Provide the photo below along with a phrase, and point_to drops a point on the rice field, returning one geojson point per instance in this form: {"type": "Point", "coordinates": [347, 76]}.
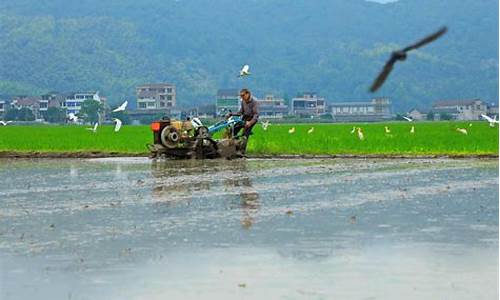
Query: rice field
{"type": "Point", "coordinates": [429, 138]}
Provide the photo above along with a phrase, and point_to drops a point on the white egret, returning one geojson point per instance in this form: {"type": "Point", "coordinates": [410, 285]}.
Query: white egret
{"type": "Point", "coordinates": [245, 71]}
{"type": "Point", "coordinates": [118, 124]}
{"type": "Point", "coordinates": [121, 107]}
{"type": "Point", "coordinates": [462, 130]}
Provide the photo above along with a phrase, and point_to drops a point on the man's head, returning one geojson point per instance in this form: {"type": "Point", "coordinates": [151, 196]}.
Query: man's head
{"type": "Point", "coordinates": [246, 95]}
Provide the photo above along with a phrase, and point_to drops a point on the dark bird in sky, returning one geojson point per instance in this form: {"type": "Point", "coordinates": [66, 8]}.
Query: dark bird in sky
{"type": "Point", "coordinates": [401, 55]}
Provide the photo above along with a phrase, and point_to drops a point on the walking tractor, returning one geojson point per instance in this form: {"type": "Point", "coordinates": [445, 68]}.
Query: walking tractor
{"type": "Point", "coordinates": [192, 139]}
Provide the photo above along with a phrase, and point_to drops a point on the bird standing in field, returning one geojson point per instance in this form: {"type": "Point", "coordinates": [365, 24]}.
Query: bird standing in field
{"type": "Point", "coordinates": [265, 125]}
{"type": "Point", "coordinates": [118, 124]}
{"type": "Point", "coordinates": [245, 71]}
{"type": "Point", "coordinates": [5, 123]}
{"type": "Point", "coordinates": [361, 136]}
{"type": "Point", "coordinates": [387, 130]}
{"type": "Point", "coordinates": [310, 130]}
{"type": "Point", "coordinates": [412, 130]}
{"type": "Point", "coordinates": [353, 130]}
{"type": "Point", "coordinates": [408, 119]}
{"type": "Point", "coordinates": [401, 56]}
{"type": "Point", "coordinates": [291, 130]}
{"type": "Point", "coordinates": [121, 107]}
{"type": "Point", "coordinates": [462, 130]}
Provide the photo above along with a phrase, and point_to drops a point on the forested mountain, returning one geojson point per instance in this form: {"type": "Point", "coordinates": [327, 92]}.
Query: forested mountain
{"type": "Point", "coordinates": [334, 47]}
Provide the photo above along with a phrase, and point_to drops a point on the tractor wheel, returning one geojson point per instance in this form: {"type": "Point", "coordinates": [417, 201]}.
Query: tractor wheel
{"type": "Point", "coordinates": [170, 137]}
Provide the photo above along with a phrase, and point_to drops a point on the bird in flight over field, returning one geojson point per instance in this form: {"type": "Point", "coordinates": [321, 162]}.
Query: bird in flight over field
{"type": "Point", "coordinates": [401, 55]}
{"type": "Point", "coordinates": [5, 123]}
{"type": "Point", "coordinates": [121, 107]}
{"type": "Point", "coordinates": [490, 120]}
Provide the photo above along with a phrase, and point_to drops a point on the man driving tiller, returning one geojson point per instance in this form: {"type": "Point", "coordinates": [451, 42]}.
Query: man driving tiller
{"type": "Point", "coordinates": [249, 113]}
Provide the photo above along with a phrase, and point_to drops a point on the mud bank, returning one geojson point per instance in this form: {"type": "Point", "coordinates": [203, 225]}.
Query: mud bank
{"type": "Point", "coordinates": [98, 154]}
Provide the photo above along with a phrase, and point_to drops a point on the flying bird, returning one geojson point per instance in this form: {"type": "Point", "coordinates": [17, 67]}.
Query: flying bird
{"type": "Point", "coordinates": [462, 130]}
{"type": "Point", "coordinates": [245, 71]}
{"type": "Point", "coordinates": [5, 123]}
{"type": "Point", "coordinates": [353, 130]}
{"type": "Point", "coordinates": [94, 129]}
{"type": "Point", "coordinates": [310, 130]}
{"type": "Point", "coordinates": [361, 136]}
{"type": "Point", "coordinates": [490, 120]}
{"type": "Point", "coordinates": [291, 130]}
{"type": "Point", "coordinates": [401, 55]}
{"type": "Point", "coordinates": [118, 124]}
{"type": "Point", "coordinates": [121, 107]}
{"type": "Point", "coordinates": [408, 119]}
{"type": "Point", "coordinates": [412, 130]}
{"type": "Point", "coordinates": [72, 117]}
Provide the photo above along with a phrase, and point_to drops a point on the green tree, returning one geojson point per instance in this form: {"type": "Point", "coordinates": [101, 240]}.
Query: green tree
{"type": "Point", "coordinates": [445, 116]}
{"type": "Point", "coordinates": [430, 116]}
{"type": "Point", "coordinates": [54, 115]}
{"type": "Point", "coordinates": [25, 114]}
{"type": "Point", "coordinates": [90, 110]}
{"type": "Point", "coordinates": [11, 114]}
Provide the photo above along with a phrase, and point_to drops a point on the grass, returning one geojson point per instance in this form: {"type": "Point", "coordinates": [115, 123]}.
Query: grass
{"type": "Point", "coordinates": [430, 138]}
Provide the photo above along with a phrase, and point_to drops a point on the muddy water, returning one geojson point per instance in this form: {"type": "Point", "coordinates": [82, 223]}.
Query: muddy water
{"type": "Point", "coordinates": [250, 229]}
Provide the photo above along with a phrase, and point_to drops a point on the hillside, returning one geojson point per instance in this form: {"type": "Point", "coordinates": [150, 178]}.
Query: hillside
{"type": "Point", "coordinates": [334, 47]}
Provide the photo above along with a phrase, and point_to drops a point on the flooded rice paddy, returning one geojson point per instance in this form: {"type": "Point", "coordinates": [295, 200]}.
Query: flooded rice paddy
{"type": "Point", "coordinates": [130, 228]}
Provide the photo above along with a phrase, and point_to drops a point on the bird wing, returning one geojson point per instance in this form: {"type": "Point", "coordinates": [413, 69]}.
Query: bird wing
{"type": "Point", "coordinates": [245, 69]}
{"type": "Point", "coordinates": [95, 126]}
{"type": "Point", "coordinates": [427, 39]}
{"type": "Point", "coordinates": [383, 75]}
{"type": "Point", "coordinates": [118, 124]}
{"type": "Point", "coordinates": [407, 119]}
{"type": "Point", "coordinates": [487, 118]}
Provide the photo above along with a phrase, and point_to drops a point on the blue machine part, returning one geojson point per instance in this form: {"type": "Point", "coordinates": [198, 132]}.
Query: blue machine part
{"type": "Point", "coordinates": [230, 122]}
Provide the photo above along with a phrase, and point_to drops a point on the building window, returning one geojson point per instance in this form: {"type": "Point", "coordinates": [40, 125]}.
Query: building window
{"type": "Point", "coordinates": [169, 90]}
{"type": "Point", "coordinates": [162, 104]}
{"type": "Point", "coordinates": [169, 98]}
{"type": "Point", "coordinates": [478, 106]}
{"type": "Point", "coordinates": [162, 97]}
{"type": "Point", "coordinates": [169, 104]}
{"type": "Point", "coordinates": [151, 104]}
{"type": "Point", "coordinates": [142, 105]}
{"type": "Point", "coordinates": [345, 109]}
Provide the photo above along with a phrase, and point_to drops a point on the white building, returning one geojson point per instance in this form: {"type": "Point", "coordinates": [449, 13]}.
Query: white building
{"type": "Point", "coordinates": [377, 109]}
{"type": "Point", "coordinates": [73, 101]}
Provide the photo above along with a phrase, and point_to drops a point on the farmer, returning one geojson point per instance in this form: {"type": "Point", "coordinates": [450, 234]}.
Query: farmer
{"type": "Point", "coordinates": [249, 113]}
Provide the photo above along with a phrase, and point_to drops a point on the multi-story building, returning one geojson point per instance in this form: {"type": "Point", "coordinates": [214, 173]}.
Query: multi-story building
{"type": "Point", "coordinates": [272, 107]}
{"type": "Point", "coordinates": [227, 100]}
{"type": "Point", "coordinates": [470, 109]}
{"type": "Point", "coordinates": [3, 107]}
{"type": "Point", "coordinates": [375, 110]}
{"type": "Point", "coordinates": [153, 96]}
{"type": "Point", "coordinates": [417, 114]}
{"type": "Point", "coordinates": [73, 101]}
{"type": "Point", "coordinates": [308, 104]}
